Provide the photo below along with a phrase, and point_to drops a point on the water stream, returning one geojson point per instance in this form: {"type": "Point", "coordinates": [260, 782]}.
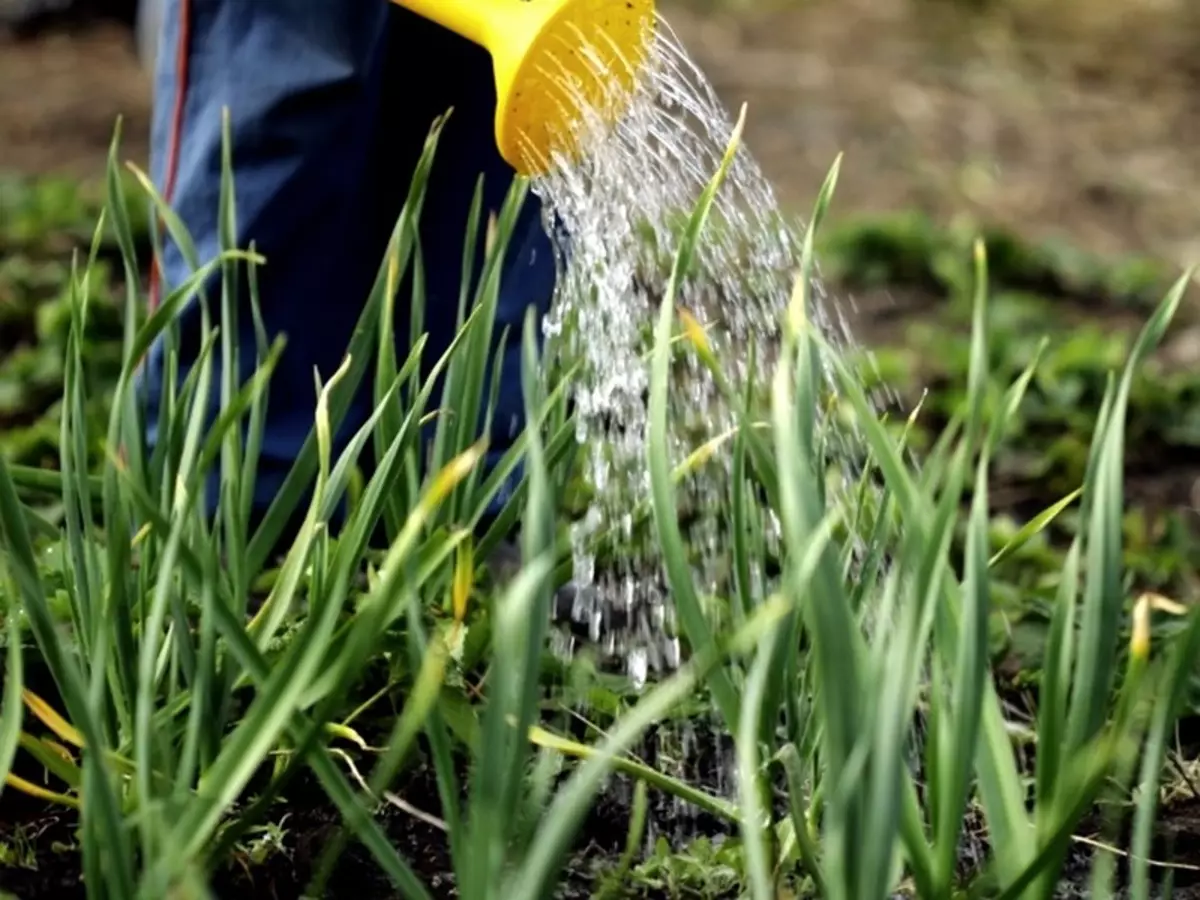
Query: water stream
{"type": "Point", "coordinates": [618, 215]}
{"type": "Point", "coordinates": [617, 218]}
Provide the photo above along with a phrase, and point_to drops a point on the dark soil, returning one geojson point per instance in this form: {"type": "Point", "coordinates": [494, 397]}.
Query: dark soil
{"type": "Point", "coordinates": [307, 826]}
{"type": "Point", "coordinates": [307, 823]}
{"type": "Point", "coordinates": [44, 862]}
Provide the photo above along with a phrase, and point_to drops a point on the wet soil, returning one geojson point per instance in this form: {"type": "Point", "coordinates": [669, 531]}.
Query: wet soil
{"type": "Point", "coordinates": [279, 862]}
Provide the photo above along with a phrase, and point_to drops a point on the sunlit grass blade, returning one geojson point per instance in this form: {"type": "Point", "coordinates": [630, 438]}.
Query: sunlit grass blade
{"type": "Point", "coordinates": [537, 542]}
{"type": "Point", "coordinates": [234, 411]}
{"type": "Point", "coordinates": [967, 682]}
{"type": "Point", "coordinates": [977, 372]}
{"type": "Point", "coordinates": [12, 712]}
{"type": "Point", "coordinates": [756, 708]}
{"type": "Point", "coordinates": [256, 422]}
{"type": "Point", "coordinates": [490, 816]}
{"type": "Point", "coordinates": [754, 818]}
{"type": "Point", "coordinates": [640, 772]}
{"type": "Point", "coordinates": [505, 472]}
{"type": "Point", "coordinates": [519, 628]}
{"type": "Point", "coordinates": [54, 758]}
{"type": "Point", "coordinates": [118, 216]}
{"type": "Point", "coordinates": [1013, 398]}
{"type": "Point", "coordinates": [741, 510]}
{"type": "Point", "coordinates": [386, 371]}
{"type": "Point", "coordinates": [17, 783]}
{"type": "Point", "coordinates": [442, 432]}
{"type": "Point", "coordinates": [76, 497]}
{"type": "Point", "coordinates": [1103, 595]}
{"type": "Point", "coordinates": [230, 499]}
{"type": "Point", "coordinates": [897, 661]}
{"type": "Point", "coordinates": [465, 395]}
{"type": "Point", "coordinates": [1056, 685]}
{"type": "Point", "coordinates": [150, 750]}
{"type": "Point", "coordinates": [687, 604]}
{"type": "Point", "coordinates": [401, 251]}
{"type": "Point", "coordinates": [494, 379]}
{"type": "Point", "coordinates": [1180, 664]}
{"type": "Point", "coordinates": [1033, 528]}
{"type": "Point", "coordinates": [809, 385]}
{"type": "Point", "coordinates": [838, 649]}
{"type": "Point", "coordinates": [962, 660]}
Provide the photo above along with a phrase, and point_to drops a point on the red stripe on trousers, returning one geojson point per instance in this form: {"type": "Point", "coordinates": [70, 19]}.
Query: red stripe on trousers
{"type": "Point", "coordinates": [182, 57]}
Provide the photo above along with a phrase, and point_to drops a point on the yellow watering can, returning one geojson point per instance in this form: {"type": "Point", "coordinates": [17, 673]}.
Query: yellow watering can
{"type": "Point", "coordinates": [553, 59]}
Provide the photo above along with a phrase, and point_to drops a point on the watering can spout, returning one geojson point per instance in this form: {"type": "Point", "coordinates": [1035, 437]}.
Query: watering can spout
{"type": "Point", "coordinates": [555, 61]}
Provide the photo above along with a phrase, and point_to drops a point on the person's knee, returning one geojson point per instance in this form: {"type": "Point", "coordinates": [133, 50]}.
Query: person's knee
{"type": "Point", "coordinates": [293, 77]}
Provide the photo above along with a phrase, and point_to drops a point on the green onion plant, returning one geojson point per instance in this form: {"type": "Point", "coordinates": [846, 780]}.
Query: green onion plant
{"type": "Point", "coordinates": [202, 661]}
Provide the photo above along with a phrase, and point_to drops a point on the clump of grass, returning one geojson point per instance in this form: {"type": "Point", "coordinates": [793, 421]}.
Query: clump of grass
{"type": "Point", "coordinates": [176, 701]}
{"type": "Point", "coordinates": [858, 680]}
{"type": "Point", "coordinates": [907, 641]}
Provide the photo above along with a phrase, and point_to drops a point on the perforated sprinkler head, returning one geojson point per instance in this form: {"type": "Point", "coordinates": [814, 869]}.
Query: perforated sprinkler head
{"type": "Point", "coordinates": [557, 63]}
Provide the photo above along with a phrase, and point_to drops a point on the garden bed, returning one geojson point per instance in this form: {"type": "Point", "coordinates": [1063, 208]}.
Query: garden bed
{"type": "Point", "coordinates": [1161, 548]}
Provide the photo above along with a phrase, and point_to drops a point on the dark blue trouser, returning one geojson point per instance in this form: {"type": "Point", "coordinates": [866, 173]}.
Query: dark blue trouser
{"type": "Point", "coordinates": [331, 102]}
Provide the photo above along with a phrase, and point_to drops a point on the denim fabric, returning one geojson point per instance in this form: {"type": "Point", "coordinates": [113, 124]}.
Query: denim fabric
{"type": "Point", "coordinates": [330, 105]}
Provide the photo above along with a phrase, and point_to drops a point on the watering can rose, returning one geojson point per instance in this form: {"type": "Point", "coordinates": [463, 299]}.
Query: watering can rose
{"type": "Point", "coordinates": [556, 63]}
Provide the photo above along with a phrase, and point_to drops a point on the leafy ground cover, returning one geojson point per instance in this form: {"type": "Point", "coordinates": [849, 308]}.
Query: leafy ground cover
{"type": "Point", "coordinates": [352, 695]}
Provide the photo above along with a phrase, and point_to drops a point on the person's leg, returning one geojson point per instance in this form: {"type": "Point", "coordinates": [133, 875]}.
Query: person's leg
{"type": "Point", "coordinates": [301, 81]}
{"type": "Point", "coordinates": [330, 104]}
